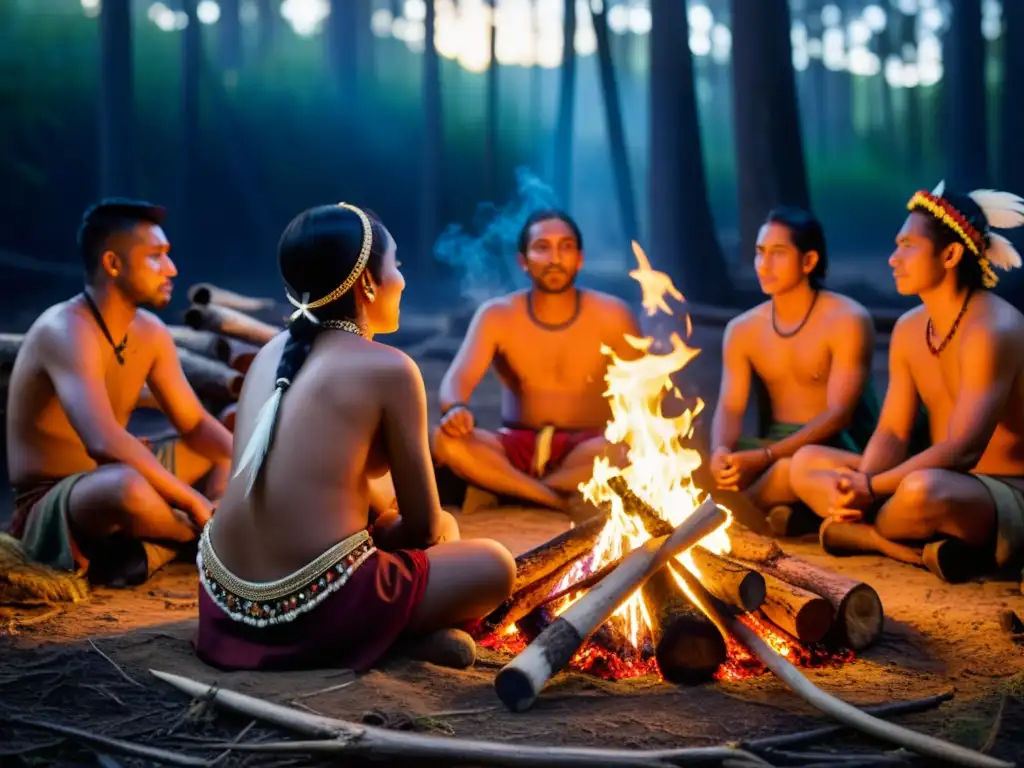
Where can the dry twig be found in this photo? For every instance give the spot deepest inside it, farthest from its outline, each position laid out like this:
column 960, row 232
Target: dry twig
column 114, row 664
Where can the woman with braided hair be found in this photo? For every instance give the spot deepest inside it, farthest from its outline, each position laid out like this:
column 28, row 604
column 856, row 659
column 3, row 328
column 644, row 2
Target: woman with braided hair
column 307, row 562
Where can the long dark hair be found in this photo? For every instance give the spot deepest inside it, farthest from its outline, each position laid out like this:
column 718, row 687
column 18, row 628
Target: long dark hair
column 318, row 252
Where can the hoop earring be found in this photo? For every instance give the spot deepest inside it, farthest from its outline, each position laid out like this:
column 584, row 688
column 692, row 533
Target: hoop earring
column 371, row 294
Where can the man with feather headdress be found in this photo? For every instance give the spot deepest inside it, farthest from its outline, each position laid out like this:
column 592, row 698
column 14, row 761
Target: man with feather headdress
column 958, row 506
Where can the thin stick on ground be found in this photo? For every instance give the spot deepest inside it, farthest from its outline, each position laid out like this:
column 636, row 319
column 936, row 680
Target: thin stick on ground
column 113, row 745
column 343, row 737
column 816, row 735
column 115, row 665
column 328, row 689
column 241, row 735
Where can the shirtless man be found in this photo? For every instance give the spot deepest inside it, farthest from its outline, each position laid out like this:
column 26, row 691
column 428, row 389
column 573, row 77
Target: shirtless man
column 545, row 345
column 806, row 353
column 87, row 493
column 961, row 355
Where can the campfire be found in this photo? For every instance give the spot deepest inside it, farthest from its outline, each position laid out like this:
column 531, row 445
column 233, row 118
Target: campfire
column 670, row 625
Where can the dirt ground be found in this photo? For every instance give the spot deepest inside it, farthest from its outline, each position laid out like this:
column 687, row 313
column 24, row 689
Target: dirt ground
column 72, row 667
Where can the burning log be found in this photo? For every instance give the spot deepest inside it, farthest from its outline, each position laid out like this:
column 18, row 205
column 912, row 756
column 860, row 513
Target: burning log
column 205, row 294
column 805, row 615
column 210, row 379
column 689, row 648
column 858, row 609
column 731, row 582
column 552, row 555
column 205, row 343
column 525, row 600
column 230, row 322
column 521, row 680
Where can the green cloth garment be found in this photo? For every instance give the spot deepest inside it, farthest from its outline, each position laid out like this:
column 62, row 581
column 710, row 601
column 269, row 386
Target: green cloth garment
column 854, row 438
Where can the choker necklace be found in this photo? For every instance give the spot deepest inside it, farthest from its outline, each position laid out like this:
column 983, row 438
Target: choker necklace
column 553, row 326
column 929, row 329
column 118, row 348
column 344, row 325
column 795, row 331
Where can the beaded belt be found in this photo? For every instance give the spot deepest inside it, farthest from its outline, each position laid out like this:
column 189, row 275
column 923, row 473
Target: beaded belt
column 275, row 602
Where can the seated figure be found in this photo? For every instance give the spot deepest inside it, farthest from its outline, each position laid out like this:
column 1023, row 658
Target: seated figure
column 88, row 495
column 806, row 356
column 545, row 346
column 957, row 506
column 330, row 543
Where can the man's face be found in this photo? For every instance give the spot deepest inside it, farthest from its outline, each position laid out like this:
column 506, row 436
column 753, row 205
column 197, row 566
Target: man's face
column 140, row 265
column 916, row 267
column 779, row 265
column 553, row 257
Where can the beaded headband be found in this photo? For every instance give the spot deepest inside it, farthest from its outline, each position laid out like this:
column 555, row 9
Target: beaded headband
column 302, row 307
column 1000, row 209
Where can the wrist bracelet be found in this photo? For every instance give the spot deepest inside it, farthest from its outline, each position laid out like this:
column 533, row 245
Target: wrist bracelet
column 453, row 407
column 871, row 491
column 769, row 454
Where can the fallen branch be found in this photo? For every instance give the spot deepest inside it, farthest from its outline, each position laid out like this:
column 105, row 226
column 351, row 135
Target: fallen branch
column 830, row 705
column 207, row 293
column 230, row 322
column 344, row 737
column 815, row 735
column 114, row 745
column 114, row 664
column 520, row 681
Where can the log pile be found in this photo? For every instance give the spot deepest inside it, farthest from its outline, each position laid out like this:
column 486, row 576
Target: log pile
column 814, row 607
column 222, row 333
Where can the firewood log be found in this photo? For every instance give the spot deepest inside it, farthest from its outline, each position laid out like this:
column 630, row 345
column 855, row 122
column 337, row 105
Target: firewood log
column 230, row 322
column 689, row 648
column 211, row 380
column 241, row 354
column 10, row 343
column 806, row 616
column 525, row 600
column 731, row 582
column 205, row 343
column 552, row 555
column 520, row 681
column 207, row 293
column 859, row 615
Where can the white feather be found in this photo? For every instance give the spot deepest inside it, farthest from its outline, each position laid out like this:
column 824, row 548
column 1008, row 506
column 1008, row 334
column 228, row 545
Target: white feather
column 937, row 192
column 1004, row 210
column 259, row 442
column 1001, row 253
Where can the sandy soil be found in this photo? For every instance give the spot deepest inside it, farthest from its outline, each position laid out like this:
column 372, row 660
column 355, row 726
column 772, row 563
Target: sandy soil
column 937, row 638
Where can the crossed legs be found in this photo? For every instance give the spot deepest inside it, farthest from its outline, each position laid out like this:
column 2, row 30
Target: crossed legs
column 927, row 504
column 480, row 459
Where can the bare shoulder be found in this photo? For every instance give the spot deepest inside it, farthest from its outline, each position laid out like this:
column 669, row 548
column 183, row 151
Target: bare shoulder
column 998, row 320
column 910, row 325
column 151, row 328
column 616, row 311
column 840, row 307
column 60, row 329
column 392, row 368
column 747, row 323
column 496, row 311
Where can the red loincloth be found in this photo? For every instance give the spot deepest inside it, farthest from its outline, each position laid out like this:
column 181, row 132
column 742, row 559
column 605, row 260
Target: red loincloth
column 352, row 628
column 520, row 445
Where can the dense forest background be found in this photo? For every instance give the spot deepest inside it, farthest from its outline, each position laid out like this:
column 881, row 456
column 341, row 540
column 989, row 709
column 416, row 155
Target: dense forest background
column 237, row 114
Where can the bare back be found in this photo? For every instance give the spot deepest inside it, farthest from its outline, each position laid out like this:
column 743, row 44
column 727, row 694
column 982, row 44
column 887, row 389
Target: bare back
column 557, row 376
column 331, row 438
column 42, row 443
column 987, row 355
column 796, row 370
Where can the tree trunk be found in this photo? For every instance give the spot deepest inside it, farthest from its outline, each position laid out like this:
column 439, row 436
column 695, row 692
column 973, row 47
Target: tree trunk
column 1011, row 156
column 267, row 23
column 613, row 122
column 117, row 103
column 491, row 114
column 769, row 148
column 191, row 136
column 229, row 35
column 566, row 108
column 341, row 39
column 432, row 151
column 683, row 241
column 966, row 124
column 913, row 156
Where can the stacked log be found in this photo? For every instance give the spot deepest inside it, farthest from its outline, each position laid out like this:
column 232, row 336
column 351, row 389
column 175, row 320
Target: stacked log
column 806, row 601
